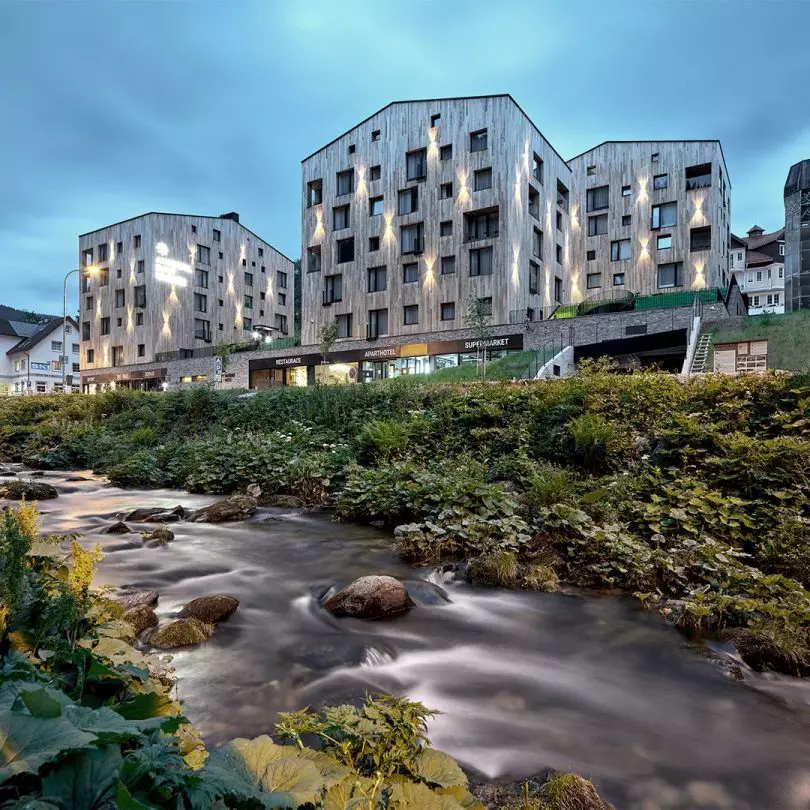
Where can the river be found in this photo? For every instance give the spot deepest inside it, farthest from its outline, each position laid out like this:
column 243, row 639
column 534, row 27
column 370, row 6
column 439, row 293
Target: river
column 524, row 681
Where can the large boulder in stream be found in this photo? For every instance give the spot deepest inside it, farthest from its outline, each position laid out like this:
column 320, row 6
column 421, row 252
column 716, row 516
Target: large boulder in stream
column 132, row 599
column 371, row 597
column 30, row 490
column 210, row 609
column 237, row 507
column 181, row 633
column 140, row 618
column 156, row 514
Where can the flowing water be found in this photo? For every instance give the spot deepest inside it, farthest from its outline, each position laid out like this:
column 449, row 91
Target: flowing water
column 524, row 681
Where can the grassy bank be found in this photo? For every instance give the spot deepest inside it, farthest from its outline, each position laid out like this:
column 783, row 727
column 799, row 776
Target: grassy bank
column 694, row 497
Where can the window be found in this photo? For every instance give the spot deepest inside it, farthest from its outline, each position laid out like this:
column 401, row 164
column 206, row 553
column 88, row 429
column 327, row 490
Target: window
column 344, row 325
column 248, row 302
column 478, row 140
column 591, row 170
column 482, row 179
column 446, row 228
column 558, row 253
column 654, row 157
column 664, row 241
column 781, row 248
column 203, row 254
column 534, row 202
column 248, row 279
column 781, row 272
column 281, row 323
column 661, row 181
column 375, row 135
column 481, row 262
column 756, row 301
column 559, row 221
column 626, row 191
column 102, row 252
column 739, row 257
column 139, row 316
column 377, row 279
column 416, row 163
column 446, row 191
column 670, row 275
column 194, row 229
column 626, row 220
column 537, row 168
column 562, row 196
column 104, row 326
column 202, row 329
column 200, row 302
column 56, row 346
column 408, row 200
column 373, row 244
column 118, row 273
column 345, row 250
column 597, row 198
column 85, row 330
column 314, row 193
column 313, row 259
column 281, row 279
column 262, row 295
column 593, row 281
column 42, row 387
column 700, row 238
column 448, row 311
column 411, row 238
column 221, row 255
column 217, row 237
column 141, row 350
column 618, row 279
column 120, row 298
column 351, row 149
column 119, row 248
column 375, row 206
column 699, row 176
column 340, row 217
column 333, row 288
column 590, row 256
column 434, row 120
column 481, row 224
column 88, row 302
column 118, row 355
column 75, row 348
column 776, row 298
column 534, row 278
column 345, row 182
column 87, row 257
column 200, row 278
column 374, row 173
column 104, row 277
column 597, row 225
column 448, row 265
column 411, row 315
column 377, row 323
column 558, row 289
column 620, row 250
column 446, row 152
column 664, row 216
column 410, row 272
column 139, row 294
column 759, row 275
column 140, row 266
column 91, row 355
column 537, row 243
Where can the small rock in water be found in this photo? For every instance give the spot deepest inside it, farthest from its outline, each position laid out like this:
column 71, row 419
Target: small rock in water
column 30, row 490
column 283, row 501
column 210, row 609
column 237, row 507
column 370, row 597
column 156, row 514
column 119, row 527
column 140, row 618
column 133, row 599
column 181, row 633
column 426, row 593
column 254, row 490
column 162, row 536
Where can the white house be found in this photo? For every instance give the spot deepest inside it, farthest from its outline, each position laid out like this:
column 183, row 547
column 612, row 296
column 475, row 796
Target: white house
column 758, row 261
column 31, row 356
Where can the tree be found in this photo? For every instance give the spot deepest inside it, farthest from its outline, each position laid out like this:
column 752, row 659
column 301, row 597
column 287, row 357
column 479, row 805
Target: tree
column 479, row 321
column 328, row 335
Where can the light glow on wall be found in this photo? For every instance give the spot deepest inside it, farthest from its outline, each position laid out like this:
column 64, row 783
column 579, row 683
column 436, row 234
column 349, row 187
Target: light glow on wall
column 430, row 278
column 319, row 229
column 166, row 328
column 170, row 271
column 433, row 142
column 362, row 188
column 644, row 253
column 132, row 277
column 698, row 216
column 643, row 184
column 238, row 322
column 516, row 265
column 699, row 281
column 231, row 290
column 388, row 232
column 463, row 189
column 129, row 318
column 574, row 217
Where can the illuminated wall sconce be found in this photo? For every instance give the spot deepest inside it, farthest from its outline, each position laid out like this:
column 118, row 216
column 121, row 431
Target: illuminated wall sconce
column 644, row 252
column 463, row 189
column 231, row 290
column 319, row 229
column 699, row 281
column 242, row 253
column 433, row 142
column 166, row 328
column 388, row 231
column 698, row 216
column 516, row 265
column 575, row 217
column 130, row 324
column 362, row 188
column 238, row 322
column 643, row 186
column 430, row 278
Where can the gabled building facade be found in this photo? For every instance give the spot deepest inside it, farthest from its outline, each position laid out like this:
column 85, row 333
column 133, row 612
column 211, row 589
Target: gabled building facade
column 758, row 262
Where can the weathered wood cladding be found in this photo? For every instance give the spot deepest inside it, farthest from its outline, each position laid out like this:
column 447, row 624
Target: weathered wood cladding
column 622, row 164
column 512, row 141
column 169, row 311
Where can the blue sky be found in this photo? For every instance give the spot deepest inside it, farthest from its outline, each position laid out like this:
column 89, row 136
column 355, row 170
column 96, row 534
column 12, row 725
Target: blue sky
column 111, row 108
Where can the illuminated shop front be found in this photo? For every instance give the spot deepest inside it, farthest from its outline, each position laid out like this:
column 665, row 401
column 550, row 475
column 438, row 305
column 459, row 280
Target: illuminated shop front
column 151, row 379
column 367, row 365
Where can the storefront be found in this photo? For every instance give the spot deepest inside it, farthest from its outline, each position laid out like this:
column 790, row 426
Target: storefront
column 152, row 379
column 367, row 365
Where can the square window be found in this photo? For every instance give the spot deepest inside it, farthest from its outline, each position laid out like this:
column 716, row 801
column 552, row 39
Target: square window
column 416, row 164
column 141, row 350
column 558, row 254
column 537, row 168
column 434, row 119
column 203, row 254
column 537, row 243
column 377, row 279
column 591, row 255
column 91, row 356
column 217, row 236
column 248, row 279
column 591, row 170
column 244, row 262
column 534, row 278
column 137, row 240
column 410, row 272
column 446, row 191
column 194, row 229
column 478, row 140
column 626, row 219
column 374, row 173
column 345, row 250
column 664, row 241
column 221, row 255
column 701, row 239
column 481, row 262
column 247, row 324
column 140, row 266
column 281, row 279
column 411, row 315
column 377, row 323
column 626, row 190
column 375, row 207
column 446, row 228
column 670, row 275
column 482, row 179
column 594, row 281
column 412, row 239
column 118, row 273
column 448, row 266
column 340, row 217
column 345, row 182
column 120, row 298
column 597, row 198
column 654, row 157
column 661, row 181
column 618, row 279
column 449, row 311
column 119, row 248
column 119, row 321
column 373, row 244
column 375, row 135
column 314, row 193
column 534, row 202
column 446, row 152
column 664, row 216
column 351, row 148
column 333, row 289
column 139, row 319
column 408, row 201
column 558, row 289
column 620, row 250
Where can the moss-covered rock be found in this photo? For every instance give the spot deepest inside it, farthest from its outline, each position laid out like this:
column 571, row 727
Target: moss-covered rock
column 30, row 490
column 140, row 618
column 283, row 501
column 210, row 609
column 535, row 577
column 498, row 568
column 133, row 599
column 567, row 791
column 774, row 645
column 237, row 507
column 181, row 633
column 161, row 535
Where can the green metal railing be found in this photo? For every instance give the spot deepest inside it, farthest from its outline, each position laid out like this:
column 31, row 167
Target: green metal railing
column 684, row 298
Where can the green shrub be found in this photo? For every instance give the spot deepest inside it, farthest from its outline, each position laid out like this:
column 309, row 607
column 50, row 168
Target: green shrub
column 140, row 471
column 494, row 568
column 382, row 440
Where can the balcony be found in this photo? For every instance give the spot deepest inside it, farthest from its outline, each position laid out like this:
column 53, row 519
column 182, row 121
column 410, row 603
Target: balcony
column 704, row 181
column 480, row 233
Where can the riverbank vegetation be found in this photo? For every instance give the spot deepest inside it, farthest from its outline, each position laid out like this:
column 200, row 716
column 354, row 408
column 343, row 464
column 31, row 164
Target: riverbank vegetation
column 693, row 496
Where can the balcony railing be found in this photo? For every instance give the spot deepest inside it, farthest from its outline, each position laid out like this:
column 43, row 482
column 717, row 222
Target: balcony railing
column 477, row 235
column 703, row 181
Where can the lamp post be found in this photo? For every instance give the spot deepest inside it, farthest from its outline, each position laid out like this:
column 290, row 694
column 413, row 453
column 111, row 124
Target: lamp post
column 90, row 269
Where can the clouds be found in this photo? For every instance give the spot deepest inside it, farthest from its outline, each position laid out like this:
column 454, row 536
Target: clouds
column 114, row 108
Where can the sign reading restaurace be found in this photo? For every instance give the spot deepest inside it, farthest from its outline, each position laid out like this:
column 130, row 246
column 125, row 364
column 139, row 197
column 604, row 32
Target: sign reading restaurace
column 169, row 270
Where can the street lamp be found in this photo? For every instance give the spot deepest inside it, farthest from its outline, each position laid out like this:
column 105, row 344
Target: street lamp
column 265, row 332
column 90, row 269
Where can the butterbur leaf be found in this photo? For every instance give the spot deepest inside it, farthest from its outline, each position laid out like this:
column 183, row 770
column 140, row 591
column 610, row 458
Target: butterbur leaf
column 415, row 796
column 438, row 768
column 124, row 800
column 109, row 725
column 463, row 796
column 85, row 781
column 298, row 777
column 146, row 705
column 44, row 702
column 331, row 771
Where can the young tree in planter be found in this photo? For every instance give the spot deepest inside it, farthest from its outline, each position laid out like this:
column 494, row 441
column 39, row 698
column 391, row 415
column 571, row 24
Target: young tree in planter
column 328, row 336
column 479, row 320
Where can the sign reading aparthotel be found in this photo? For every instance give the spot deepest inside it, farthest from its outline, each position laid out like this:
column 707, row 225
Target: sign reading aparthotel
column 172, row 271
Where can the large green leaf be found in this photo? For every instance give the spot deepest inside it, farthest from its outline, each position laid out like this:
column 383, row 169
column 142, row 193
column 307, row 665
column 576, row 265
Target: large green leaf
column 415, row 796
column 85, row 781
column 145, row 705
column 124, row 800
column 27, row 743
column 438, row 768
column 298, row 777
column 109, row 725
column 45, row 701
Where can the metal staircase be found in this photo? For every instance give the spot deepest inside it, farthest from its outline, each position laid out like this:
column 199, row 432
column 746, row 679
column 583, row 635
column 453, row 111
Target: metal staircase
column 701, row 356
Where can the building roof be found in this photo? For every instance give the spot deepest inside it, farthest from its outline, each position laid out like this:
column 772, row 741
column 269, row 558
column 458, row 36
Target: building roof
column 18, row 329
column 756, row 242
column 427, row 100
column 14, row 314
column 736, row 241
column 36, row 333
column 753, row 258
column 175, row 214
